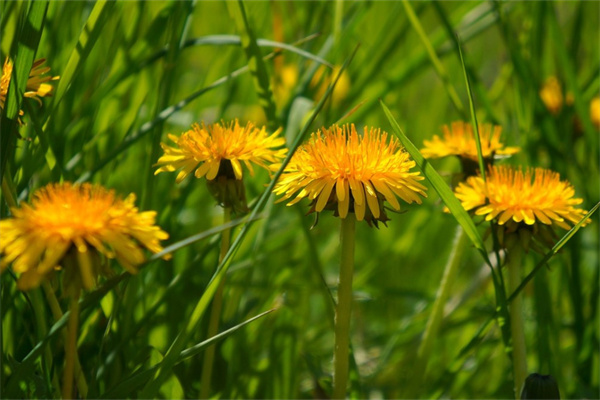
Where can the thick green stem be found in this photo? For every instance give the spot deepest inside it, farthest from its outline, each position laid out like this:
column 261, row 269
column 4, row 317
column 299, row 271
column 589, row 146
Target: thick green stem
column 71, row 345
column 343, row 310
column 437, row 312
column 515, row 309
column 215, row 314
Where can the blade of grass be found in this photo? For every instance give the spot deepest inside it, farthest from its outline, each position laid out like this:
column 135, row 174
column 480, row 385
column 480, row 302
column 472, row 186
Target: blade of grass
column 153, row 386
column 473, row 114
column 256, row 64
column 566, row 63
column 27, row 42
column 553, row 252
column 163, row 115
column 127, row 386
column 476, row 339
column 437, row 64
column 87, row 39
column 444, row 191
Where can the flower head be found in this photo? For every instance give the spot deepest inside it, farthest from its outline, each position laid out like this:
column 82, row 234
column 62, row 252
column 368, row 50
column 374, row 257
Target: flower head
column 459, row 141
column 67, row 222
column 220, row 149
column 552, row 95
column 595, row 112
column 217, row 152
column 511, row 196
column 37, row 85
column 342, row 171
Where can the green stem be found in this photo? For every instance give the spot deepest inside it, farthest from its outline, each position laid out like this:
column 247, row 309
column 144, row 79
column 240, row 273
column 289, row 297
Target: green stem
column 437, row 312
column 343, row 309
column 517, row 330
column 71, row 345
column 215, row 314
column 58, row 314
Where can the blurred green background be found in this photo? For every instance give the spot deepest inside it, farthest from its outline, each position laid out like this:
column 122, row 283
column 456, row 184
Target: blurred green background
column 111, row 108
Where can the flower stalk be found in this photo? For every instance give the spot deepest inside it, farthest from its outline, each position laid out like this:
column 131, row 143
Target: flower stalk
column 517, row 329
column 344, row 309
column 71, row 344
column 215, row 313
column 57, row 313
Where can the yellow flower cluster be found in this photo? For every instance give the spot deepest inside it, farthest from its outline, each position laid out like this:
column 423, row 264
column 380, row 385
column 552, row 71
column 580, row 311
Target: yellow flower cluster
column 37, row 85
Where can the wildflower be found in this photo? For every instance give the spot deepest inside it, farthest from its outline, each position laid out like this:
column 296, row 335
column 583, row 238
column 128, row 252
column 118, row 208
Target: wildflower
column 37, row 85
column 342, row 171
column 551, row 95
column 68, row 224
column 320, row 83
column 284, row 82
column 535, row 199
column 217, row 151
column 595, row 112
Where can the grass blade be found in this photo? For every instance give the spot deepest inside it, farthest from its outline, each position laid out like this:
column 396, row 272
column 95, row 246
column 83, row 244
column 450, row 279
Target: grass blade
column 473, row 114
column 87, row 39
column 124, row 388
column 553, row 251
column 449, row 199
column 255, row 62
column 26, row 47
column 437, row 65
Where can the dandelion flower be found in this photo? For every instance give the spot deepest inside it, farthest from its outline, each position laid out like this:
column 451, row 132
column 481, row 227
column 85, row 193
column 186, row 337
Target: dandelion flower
column 459, row 141
column 217, row 152
column 551, row 95
column 37, row 83
column 220, row 149
column 342, row 171
column 512, row 196
column 83, row 221
column 595, row 112
column 320, row 83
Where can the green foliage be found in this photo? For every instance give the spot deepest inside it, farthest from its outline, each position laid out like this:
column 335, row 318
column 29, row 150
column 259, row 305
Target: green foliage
column 131, row 72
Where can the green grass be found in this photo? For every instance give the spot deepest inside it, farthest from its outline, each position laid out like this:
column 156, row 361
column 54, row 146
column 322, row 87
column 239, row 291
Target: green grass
column 131, row 72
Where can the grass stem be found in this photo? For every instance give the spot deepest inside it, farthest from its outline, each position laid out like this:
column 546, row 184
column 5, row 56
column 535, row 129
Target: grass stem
column 437, row 312
column 517, row 330
column 344, row 309
column 215, row 314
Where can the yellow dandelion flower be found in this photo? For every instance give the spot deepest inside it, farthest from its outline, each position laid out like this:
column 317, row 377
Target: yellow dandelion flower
column 217, row 152
column 459, row 141
column 595, row 112
column 552, row 95
column 530, row 197
column 82, row 221
column 320, row 83
column 339, row 170
column 37, row 85
column 220, row 149
column 284, row 82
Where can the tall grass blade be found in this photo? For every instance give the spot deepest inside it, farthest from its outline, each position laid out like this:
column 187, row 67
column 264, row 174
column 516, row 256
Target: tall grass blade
column 444, row 191
column 433, row 57
column 127, row 386
column 257, row 66
column 473, row 114
column 27, row 41
column 553, row 252
column 87, row 39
